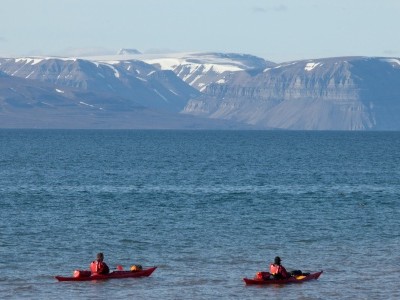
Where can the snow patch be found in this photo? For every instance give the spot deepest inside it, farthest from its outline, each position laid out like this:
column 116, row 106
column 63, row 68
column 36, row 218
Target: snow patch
column 116, row 73
column 29, row 60
column 173, row 92
column 194, row 80
column 310, row 66
column 87, row 104
column 48, row 104
column 84, row 103
column 216, row 66
column 165, row 63
column 393, row 60
column 111, row 62
column 221, row 81
column 159, row 94
column 192, row 69
column 219, row 68
column 227, row 68
column 30, row 74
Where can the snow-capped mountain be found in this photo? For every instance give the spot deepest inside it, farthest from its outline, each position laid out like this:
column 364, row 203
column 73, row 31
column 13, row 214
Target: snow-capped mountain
column 198, row 69
column 200, row 90
column 202, row 69
column 49, row 92
column 345, row 93
column 136, row 82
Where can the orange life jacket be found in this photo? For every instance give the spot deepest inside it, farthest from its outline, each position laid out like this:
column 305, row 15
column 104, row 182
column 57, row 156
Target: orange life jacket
column 274, row 269
column 278, row 270
column 99, row 267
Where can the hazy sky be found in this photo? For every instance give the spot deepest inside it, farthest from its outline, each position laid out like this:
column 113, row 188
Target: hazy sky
column 277, row 30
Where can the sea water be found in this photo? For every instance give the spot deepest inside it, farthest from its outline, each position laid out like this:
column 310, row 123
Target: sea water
column 207, row 207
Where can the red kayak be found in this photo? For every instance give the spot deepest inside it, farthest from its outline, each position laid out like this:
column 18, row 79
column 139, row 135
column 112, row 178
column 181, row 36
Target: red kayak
column 86, row 276
column 294, row 279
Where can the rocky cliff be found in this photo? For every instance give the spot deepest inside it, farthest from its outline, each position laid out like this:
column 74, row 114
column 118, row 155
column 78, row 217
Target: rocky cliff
column 200, row 90
column 347, row 93
column 80, row 93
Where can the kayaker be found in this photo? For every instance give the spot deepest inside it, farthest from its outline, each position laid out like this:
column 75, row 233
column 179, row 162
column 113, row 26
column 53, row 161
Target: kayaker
column 277, row 270
column 99, row 266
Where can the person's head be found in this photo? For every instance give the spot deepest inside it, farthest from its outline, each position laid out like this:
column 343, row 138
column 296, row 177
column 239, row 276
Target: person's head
column 100, row 256
column 277, row 260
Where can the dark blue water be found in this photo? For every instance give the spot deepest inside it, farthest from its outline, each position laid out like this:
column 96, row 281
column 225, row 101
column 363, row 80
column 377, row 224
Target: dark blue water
column 207, row 207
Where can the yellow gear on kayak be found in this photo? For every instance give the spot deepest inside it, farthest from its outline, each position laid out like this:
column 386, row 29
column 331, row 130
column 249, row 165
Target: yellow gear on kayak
column 136, row 268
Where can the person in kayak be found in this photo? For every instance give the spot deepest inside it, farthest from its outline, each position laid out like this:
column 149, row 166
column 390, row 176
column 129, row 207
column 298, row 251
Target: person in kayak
column 277, row 270
column 98, row 266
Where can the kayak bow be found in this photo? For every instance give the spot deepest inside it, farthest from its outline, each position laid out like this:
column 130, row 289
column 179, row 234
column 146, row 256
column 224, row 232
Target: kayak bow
column 112, row 275
column 295, row 279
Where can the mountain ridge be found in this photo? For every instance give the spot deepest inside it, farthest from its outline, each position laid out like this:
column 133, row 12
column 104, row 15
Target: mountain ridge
column 324, row 94
column 225, row 90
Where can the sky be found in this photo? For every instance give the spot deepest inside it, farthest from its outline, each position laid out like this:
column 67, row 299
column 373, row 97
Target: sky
column 276, row 30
